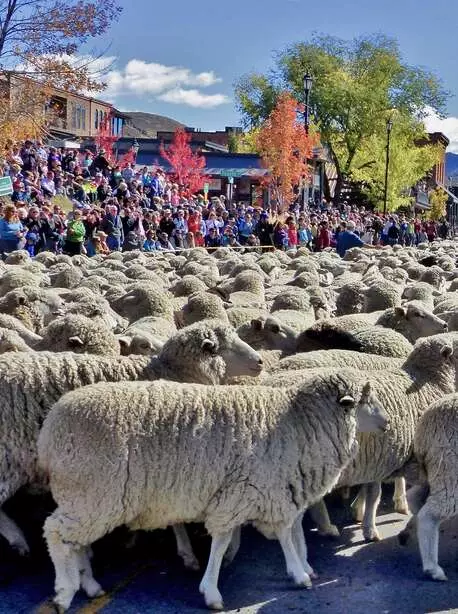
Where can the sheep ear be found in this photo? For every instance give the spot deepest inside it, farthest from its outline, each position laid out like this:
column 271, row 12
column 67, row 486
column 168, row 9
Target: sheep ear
column 275, row 328
column 447, row 351
column 75, row 342
column 401, row 311
column 208, row 345
column 124, row 342
column 347, row 401
column 257, row 324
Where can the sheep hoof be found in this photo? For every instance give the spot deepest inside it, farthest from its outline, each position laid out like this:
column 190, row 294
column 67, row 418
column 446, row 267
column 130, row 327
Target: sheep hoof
column 60, row 607
column 93, row 589
column 402, row 508
column 191, row 563
column 22, row 548
column 215, row 605
column 313, row 575
column 403, row 538
column 303, row 581
column 212, row 596
column 330, row 531
column 371, row 535
column 437, row 574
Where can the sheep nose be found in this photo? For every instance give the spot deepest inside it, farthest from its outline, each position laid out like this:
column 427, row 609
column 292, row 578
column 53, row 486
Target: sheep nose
column 260, row 362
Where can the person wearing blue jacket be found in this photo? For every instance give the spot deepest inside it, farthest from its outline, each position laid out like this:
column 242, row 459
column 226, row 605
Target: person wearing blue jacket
column 11, row 230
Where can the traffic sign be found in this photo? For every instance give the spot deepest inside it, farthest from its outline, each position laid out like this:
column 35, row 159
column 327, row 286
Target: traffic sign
column 206, row 188
column 231, row 172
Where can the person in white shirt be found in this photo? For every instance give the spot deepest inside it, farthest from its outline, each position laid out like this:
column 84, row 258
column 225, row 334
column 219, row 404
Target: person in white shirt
column 47, row 184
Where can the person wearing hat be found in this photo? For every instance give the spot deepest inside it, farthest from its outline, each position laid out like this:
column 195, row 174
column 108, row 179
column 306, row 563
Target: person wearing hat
column 99, row 164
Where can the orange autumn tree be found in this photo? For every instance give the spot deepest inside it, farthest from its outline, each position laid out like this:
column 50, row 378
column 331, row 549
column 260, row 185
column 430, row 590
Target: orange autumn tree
column 285, row 146
column 187, row 166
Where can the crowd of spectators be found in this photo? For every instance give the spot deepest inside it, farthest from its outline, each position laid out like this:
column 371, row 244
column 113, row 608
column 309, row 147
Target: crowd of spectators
column 113, row 208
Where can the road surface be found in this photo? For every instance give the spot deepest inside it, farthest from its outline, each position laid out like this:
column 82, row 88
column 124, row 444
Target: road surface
column 354, row 577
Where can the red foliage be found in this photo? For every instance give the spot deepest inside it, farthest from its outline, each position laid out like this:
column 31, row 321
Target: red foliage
column 128, row 158
column 104, row 139
column 186, row 165
column 285, row 147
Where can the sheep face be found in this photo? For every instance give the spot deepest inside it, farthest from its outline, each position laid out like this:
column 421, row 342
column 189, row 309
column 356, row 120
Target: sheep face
column 275, row 334
column 239, row 357
column 371, row 416
column 422, row 323
column 209, row 352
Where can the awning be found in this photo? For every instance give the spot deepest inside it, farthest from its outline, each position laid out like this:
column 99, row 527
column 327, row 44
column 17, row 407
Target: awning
column 237, row 172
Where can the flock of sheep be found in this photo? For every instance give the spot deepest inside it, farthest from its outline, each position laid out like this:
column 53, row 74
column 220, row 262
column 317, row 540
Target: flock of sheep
column 149, row 391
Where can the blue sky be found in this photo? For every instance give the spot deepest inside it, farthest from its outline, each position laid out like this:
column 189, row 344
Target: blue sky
column 180, row 58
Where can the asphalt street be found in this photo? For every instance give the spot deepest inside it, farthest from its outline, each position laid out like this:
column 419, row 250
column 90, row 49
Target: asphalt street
column 354, row 577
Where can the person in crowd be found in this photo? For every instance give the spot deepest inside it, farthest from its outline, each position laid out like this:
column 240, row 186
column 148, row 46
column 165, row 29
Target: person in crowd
column 11, row 230
column 112, row 225
column 75, row 235
column 348, row 239
column 323, row 240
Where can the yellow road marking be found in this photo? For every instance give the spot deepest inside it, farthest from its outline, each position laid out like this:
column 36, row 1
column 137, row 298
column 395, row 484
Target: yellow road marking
column 96, row 604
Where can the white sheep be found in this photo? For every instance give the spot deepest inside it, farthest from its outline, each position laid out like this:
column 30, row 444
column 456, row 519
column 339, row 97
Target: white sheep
column 76, row 333
column 237, row 457
column 435, row 498
column 207, row 352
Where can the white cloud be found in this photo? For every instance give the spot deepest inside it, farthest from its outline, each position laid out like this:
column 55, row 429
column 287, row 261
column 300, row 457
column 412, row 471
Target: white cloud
column 174, row 84
column 448, row 126
column 139, row 77
column 193, row 98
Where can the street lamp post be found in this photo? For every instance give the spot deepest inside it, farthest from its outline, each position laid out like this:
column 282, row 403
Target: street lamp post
column 308, row 82
column 389, row 128
column 135, row 149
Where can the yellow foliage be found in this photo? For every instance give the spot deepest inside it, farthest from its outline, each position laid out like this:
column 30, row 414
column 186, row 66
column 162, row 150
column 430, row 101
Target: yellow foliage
column 438, row 201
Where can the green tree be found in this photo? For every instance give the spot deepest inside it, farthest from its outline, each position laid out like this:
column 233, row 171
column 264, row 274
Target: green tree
column 247, row 142
column 356, row 85
column 408, row 163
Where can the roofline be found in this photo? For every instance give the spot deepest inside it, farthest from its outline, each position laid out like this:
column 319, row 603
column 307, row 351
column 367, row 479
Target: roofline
column 11, row 73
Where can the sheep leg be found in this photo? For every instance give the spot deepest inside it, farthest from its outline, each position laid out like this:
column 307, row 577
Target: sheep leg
column 294, row 566
column 184, row 547
column 358, row 506
column 234, row 546
column 319, row 515
column 301, row 546
column 13, row 534
column 399, row 497
column 373, row 494
column 89, row 585
column 428, row 521
column 406, row 534
column 209, row 585
column 64, row 556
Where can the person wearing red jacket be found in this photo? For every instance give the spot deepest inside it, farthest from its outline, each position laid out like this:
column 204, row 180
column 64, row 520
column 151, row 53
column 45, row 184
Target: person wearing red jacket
column 324, row 237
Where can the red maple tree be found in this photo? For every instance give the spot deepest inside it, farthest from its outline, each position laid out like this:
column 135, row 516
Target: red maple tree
column 187, row 166
column 128, row 158
column 285, row 146
column 104, row 139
